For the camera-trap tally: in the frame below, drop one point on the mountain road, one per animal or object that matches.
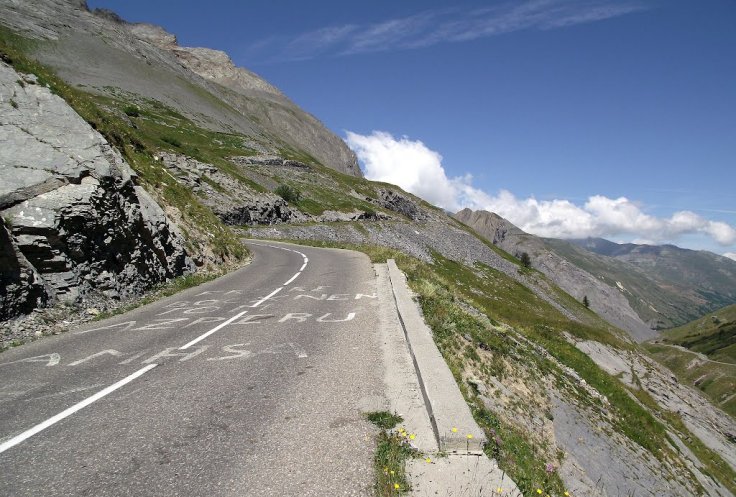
(251, 384)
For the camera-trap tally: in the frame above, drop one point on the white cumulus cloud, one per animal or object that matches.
(407, 163)
(418, 169)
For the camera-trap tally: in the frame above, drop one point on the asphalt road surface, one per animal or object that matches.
(252, 384)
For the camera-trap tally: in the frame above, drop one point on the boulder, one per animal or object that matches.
(401, 204)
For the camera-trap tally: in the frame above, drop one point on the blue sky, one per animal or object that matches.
(609, 118)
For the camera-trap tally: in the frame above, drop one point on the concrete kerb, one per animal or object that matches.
(453, 425)
(420, 386)
(403, 391)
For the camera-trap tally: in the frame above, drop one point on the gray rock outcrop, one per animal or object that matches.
(230, 199)
(75, 225)
(393, 201)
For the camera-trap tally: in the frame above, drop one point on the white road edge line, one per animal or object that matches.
(76, 407)
(268, 296)
(213, 330)
(301, 269)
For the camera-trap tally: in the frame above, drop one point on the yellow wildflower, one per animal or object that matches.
(396, 486)
(412, 436)
(539, 490)
(470, 436)
(428, 460)
(454, 430)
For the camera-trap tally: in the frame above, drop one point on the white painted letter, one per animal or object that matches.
(209, 319)
(49, 359)
(126, 326)
(324, 319)
(299, 317)
(162, 324)
(98, 354)
(306, 296)
(185, 356)
(202, 310)
(236, 353)
(252, 319)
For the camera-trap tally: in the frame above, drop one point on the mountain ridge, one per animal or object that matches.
(603, 299)
(656, 282)
(202, 84)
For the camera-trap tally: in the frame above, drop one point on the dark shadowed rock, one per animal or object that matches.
(393, 201)
(21, 287)
(74, 223)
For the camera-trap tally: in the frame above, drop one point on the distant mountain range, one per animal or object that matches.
(664, 286)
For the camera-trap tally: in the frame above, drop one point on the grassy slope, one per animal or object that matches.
(448, 292)
(713, 335)
(666, 285)
(610, 271)
(714, 374)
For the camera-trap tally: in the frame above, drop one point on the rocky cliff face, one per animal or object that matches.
(235, 204)
(105, 54)
(607, 301)
(74, 223)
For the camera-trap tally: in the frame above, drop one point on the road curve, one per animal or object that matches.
(252, 384)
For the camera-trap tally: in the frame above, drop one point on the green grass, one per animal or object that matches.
(516, 456)
(391, 454)
(713, 335)
(505, 300)
(634, 419)
(384, 419)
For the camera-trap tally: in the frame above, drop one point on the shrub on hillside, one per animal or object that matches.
(288, 193)
(132, 111)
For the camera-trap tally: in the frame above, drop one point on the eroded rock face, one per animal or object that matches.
(230, 199)
(74, 223)
(396, 202)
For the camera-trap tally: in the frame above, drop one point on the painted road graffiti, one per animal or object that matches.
(211, 310)
(169, 354)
